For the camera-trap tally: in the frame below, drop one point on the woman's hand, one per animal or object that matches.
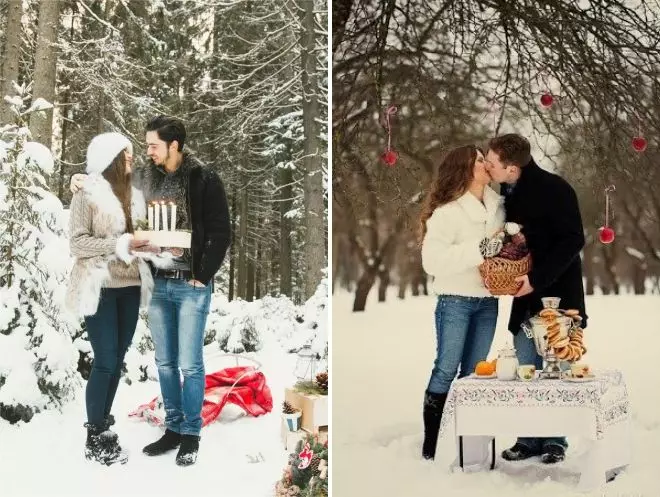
(152, 249)
(137, 245)
(77, 182)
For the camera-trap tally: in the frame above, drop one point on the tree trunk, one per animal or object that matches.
(315, 225)
(336, 244)
(66, 111)
(609, 259)
(286, 203)
(62, 178)
(588, 265)
(258, 274)
(41, 123)
(11, 57)
(363, 287)
(232, 249)
(242, 244)
(384, 278)
(249, 295)
(639, 278)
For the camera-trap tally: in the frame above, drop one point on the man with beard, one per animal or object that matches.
(183, 284)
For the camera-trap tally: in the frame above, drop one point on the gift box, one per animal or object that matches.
(314, 409)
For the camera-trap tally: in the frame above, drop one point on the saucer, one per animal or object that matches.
(476, 376)
(572, 379)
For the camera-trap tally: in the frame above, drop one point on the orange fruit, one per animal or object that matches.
(484, 368)
(494, 363)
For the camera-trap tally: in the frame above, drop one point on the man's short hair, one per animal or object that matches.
(168, 129)
(512, 148)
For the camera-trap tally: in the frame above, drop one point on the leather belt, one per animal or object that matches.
(177, 274)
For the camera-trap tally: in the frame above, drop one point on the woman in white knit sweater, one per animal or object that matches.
(460, 212)
(107, 282)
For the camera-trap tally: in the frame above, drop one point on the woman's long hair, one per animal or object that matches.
(452, 180)
(115, 174)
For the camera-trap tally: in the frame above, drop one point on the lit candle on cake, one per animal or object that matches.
(150, 216)
(156, 217)
(173, 219)
(163, 207)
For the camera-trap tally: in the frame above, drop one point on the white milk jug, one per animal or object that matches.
(507, 364)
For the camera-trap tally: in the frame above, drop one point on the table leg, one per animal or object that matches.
(492, 463)
(460, 451)
(474, 453)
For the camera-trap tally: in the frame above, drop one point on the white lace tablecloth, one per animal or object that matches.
(607, 395)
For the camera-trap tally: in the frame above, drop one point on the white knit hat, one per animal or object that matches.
(103, 149)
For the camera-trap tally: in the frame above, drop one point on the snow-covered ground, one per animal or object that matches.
(239, 455)
(381, 361)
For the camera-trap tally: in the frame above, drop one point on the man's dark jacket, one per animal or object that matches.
(208, 212)
(547, 208)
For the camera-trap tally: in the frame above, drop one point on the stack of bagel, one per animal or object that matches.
(566, 348)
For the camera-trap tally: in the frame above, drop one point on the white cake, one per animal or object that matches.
(181, 239)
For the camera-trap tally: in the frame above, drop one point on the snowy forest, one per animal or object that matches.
(249, 80)
(580, 81)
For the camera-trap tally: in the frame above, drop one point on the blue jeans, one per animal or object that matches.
(464, 328)
(110, 333)
(177, 318)
(526, 352)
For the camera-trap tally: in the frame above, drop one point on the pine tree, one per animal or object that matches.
(311, 481)
(37, 357)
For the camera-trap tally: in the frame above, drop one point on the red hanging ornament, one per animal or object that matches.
(390, 156)
(547, 100)
(638, 142)
(606, 233)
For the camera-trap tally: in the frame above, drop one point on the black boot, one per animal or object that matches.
(102, 446)
(169, 441)
(187, 454)
(553, 454)
(434, 403)
(519, 452)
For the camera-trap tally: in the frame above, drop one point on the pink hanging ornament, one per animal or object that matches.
(390, 156)
(606, 233)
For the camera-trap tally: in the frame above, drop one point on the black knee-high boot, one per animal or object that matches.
(434, 403)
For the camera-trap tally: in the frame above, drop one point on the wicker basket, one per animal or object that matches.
(499, 274)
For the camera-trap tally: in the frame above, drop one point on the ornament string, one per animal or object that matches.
(390, 111)
(608, 190)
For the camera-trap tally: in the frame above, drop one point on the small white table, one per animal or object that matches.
(598, 411)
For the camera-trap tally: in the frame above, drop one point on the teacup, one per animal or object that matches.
(527, 372)
(580, 370)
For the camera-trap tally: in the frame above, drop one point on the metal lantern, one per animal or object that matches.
(307, 365)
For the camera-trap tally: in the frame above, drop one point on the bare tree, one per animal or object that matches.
(41, 123)
(11, 56)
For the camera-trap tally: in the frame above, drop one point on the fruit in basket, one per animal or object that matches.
(484, 368)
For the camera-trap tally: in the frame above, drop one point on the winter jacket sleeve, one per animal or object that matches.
(83, 243)
(217, 227)
(565, 227)
(442, 255)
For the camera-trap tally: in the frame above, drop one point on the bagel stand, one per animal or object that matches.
(537, 330)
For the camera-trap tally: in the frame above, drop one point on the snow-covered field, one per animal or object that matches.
(381, 361)
(239, 455)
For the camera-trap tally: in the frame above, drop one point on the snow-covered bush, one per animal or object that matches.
(37, 356)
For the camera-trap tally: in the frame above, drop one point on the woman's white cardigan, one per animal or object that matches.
(450, 250)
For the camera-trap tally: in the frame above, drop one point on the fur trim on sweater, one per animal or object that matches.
(101, 247)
